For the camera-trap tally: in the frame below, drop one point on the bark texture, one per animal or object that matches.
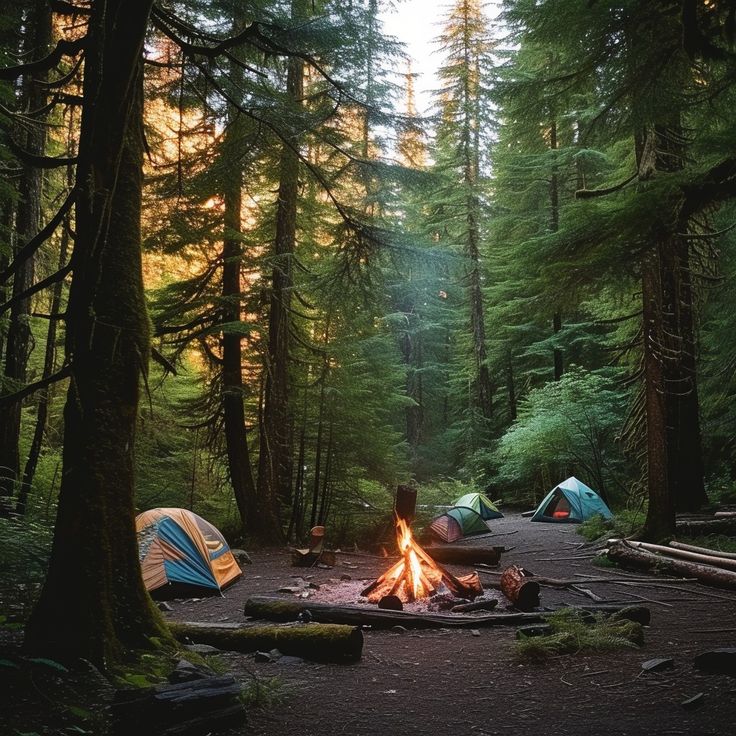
(94, 565)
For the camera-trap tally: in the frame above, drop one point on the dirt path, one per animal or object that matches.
(454, 682)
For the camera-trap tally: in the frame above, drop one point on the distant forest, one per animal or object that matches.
(239, 273)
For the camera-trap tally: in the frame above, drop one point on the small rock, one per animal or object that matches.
(202, 649)
(660, 663)
(718, 661)
(288, 659)
(305, 616)
(185, 671)
(345, 577)
(241, 557)
(475, 632)
(164, 606)
(399, 629)
(315, 586)
(695, 702)
(263, 657)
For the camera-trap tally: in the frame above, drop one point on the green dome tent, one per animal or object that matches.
(457, 522)
(479, 503)
(572, 502)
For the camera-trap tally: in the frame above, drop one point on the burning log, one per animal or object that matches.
(465, 555)
(416, 575)
(319, 642)
(519, 587)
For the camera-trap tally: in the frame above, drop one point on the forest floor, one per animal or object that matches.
(471, 684)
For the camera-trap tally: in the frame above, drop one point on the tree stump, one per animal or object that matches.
(519, 588)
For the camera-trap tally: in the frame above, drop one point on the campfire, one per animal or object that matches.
(416, 575)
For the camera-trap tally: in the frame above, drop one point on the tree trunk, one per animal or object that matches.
(36, 42)
(94, 565)
(660, 521)
(44, 398)
(236, 438)
(275, 462)
(554, 226)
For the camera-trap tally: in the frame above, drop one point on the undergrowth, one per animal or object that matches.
(624, 524)
(719, 542)
(573, 632)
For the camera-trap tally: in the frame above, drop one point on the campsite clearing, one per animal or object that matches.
(450, 681)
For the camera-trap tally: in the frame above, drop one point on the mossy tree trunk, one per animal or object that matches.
(93, 603)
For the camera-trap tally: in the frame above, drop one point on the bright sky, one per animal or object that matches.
(417, 23)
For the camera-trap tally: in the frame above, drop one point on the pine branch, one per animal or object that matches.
(17, 396)
(63, 48)
(590, 193)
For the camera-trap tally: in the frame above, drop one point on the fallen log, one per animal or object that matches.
(194, 707)
(520, 588)
(319, 642)
(703, 527)
(626, 555)
(465, 555)
(724, 514)
(722, 562)
(703, 550)
(281, 609)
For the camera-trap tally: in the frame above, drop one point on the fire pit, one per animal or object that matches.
(416, 575)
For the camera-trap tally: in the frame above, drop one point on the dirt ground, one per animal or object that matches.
(460, 683)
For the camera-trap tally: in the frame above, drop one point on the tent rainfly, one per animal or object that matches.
(177, 548)
(457, 522)
(571, 501)
(481, 504)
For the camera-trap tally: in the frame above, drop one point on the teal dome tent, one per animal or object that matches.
(572, 502)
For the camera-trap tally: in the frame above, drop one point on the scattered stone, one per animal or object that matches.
(202, 649)
(305, 616)
(315, 586)
(399, 629)
(164, 606)
(391, 603)
(345, 577)
(718, 661)
(185, 671)
(475, 632)
(272, 656)
(288, 659)
(657, 664)
(695, 702)
(241, 557)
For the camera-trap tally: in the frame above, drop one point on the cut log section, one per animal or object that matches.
(456, 555)
(626, 555)
(319, 642)
(406, 503)
(520, 588)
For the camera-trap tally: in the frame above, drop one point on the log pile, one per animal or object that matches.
(709, 567)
